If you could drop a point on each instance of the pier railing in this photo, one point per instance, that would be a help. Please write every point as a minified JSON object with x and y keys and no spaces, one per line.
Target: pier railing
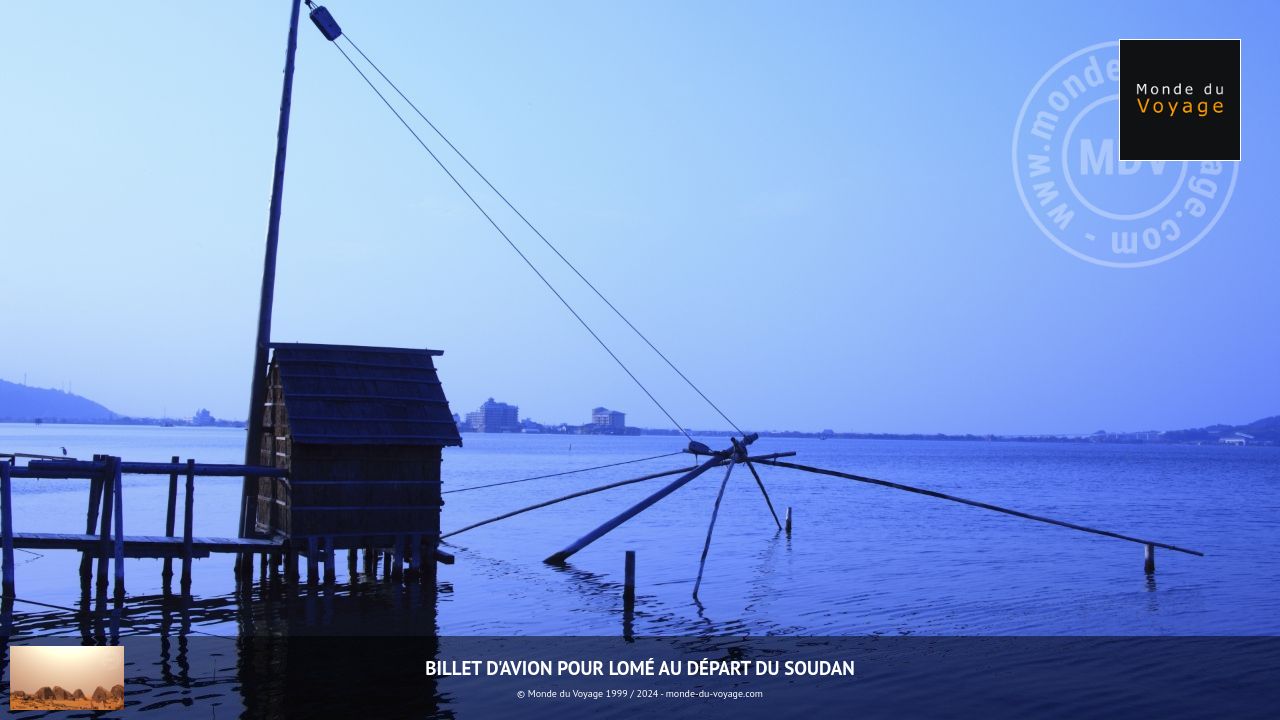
{"x":104,"y":537}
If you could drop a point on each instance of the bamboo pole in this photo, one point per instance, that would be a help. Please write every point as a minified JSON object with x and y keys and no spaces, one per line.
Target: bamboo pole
{"x":975,"y":503}
{"x":634,"y":510}
{"x":590,"y":491}
{"x":764,"y":492}
{"x":715,"y":511}
{"x":570,"y":496}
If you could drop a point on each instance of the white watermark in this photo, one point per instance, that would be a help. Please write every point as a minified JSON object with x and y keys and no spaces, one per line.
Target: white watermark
{"x":1071,"y":180}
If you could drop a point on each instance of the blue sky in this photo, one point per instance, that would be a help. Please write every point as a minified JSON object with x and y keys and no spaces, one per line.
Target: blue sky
{"x":809,"y":206}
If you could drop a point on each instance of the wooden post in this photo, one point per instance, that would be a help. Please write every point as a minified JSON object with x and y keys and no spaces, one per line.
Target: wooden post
{"x":263,"y":566}
{"x":171,"y":518}
{"x":291,"y":565}
{"x":330,"y":559}
{"x":415,"y":557}
{"x":397,"y":558}
{"x":1149,"y":560}
{"x":351,"y":564}
{"x":6,"y":528}
{"x":629,"y":583}
{"x":313,"y":574}
{"x":188,"y":525}
{"x":91,"y":521}
{"x":104,"y":534}
{"x":788,"y":521}
{"x":117,"y":483}
{"x":386,"y":565}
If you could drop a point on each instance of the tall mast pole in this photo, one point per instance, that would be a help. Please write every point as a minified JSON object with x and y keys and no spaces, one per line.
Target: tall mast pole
{"x":261,"y":348}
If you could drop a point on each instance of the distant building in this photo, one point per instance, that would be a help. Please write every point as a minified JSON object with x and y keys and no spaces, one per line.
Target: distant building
{"x":494,"y":417}
{"x":607,"y":422}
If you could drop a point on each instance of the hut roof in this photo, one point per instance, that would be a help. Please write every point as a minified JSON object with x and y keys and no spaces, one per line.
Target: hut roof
{"x":355,"y":395}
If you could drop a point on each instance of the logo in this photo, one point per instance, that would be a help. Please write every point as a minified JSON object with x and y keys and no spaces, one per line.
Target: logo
{"x":1082,"y":196}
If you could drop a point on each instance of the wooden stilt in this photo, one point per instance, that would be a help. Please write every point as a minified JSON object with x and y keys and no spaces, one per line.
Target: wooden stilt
{"x":263,"y":561}
{"x":6,"y":529}
{"x":313,"y":574}
{"x":370,"y":561}
{"x":188,"y":525}
{"x":415,"y":557}
{"x":117,"y":482}
{"x":397,"y":558}
{"x":351,"y":565}
{"x":170,"y":520}
{"x":91,"y":521}
{"x":330,"y":559}
{"x":291,"y":565}
{"x":386,"y":564}
{"x":104,"y":535}
{"x":788,"y":522}
{"x":1149,"y":559}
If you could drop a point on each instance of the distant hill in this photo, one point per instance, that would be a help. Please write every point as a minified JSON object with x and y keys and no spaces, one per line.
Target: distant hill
{"x":1266,"y":430}
{"x":21,"y":403}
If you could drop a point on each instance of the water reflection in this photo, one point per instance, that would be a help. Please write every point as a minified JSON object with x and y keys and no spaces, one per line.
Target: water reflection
{"x":270,"y":649}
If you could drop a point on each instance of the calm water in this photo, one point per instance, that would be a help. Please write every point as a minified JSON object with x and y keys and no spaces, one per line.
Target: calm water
{"x":862,"y":560}
{"x":864,"y":567}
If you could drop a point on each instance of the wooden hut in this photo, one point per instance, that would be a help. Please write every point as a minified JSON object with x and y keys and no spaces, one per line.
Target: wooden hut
{"x":360,"y":430}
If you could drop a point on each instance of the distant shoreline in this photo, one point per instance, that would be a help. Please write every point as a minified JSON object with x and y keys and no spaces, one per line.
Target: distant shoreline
{"x":1213,"y":435}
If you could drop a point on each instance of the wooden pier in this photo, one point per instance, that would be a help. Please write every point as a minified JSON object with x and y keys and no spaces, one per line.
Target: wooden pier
{"x":104,"y":538}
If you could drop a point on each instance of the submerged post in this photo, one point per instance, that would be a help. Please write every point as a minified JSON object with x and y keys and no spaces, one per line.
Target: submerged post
{"x":6,"y":527}
{"x":629,"y":583}
{"x":1149,"y":559}
{"x":788,"y":521}
{"x":262,"y":344}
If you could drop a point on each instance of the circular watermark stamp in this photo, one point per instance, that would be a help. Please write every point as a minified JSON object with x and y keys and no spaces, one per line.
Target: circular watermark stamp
{"x":1073,"y":184}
